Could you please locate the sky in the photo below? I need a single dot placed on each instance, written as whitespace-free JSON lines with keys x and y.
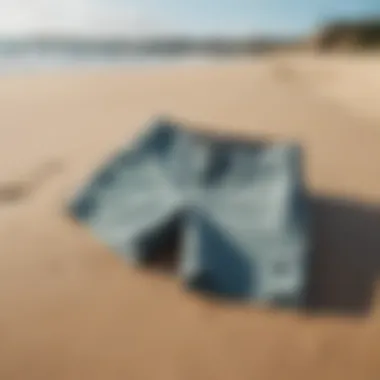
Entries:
{"x":174,"y":17}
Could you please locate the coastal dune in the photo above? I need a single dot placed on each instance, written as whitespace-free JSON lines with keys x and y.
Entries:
{"x":71,"y":309}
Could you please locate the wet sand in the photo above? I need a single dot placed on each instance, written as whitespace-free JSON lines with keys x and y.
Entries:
{"x":70,"y":309}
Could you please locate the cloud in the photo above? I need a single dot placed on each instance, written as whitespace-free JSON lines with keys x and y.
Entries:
{"x":91,"y":17}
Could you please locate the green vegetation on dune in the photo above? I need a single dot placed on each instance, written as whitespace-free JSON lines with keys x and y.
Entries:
{"x":364,"y":34}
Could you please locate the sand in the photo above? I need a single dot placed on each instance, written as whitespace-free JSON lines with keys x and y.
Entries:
{"x":70,"y":309}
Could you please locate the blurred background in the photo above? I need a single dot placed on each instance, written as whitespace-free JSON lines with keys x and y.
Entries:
{"x":47,"y":33}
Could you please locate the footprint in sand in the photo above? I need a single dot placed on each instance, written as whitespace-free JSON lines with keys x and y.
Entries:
{"x":13,"y":192}
{"x":283,"y":72}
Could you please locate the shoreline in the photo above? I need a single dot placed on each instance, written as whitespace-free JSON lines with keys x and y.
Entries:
{"x":130,"y":63}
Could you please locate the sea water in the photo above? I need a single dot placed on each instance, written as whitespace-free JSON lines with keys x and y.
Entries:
{"x":27,"y":59}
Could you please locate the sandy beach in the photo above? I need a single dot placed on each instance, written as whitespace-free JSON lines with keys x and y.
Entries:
{"x":71,"y":309}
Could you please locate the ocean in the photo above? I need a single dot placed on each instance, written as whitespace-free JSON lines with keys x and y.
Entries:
{"x":58,"y":53}
{"x":11,"y":63}
{"x":35,"y":56}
